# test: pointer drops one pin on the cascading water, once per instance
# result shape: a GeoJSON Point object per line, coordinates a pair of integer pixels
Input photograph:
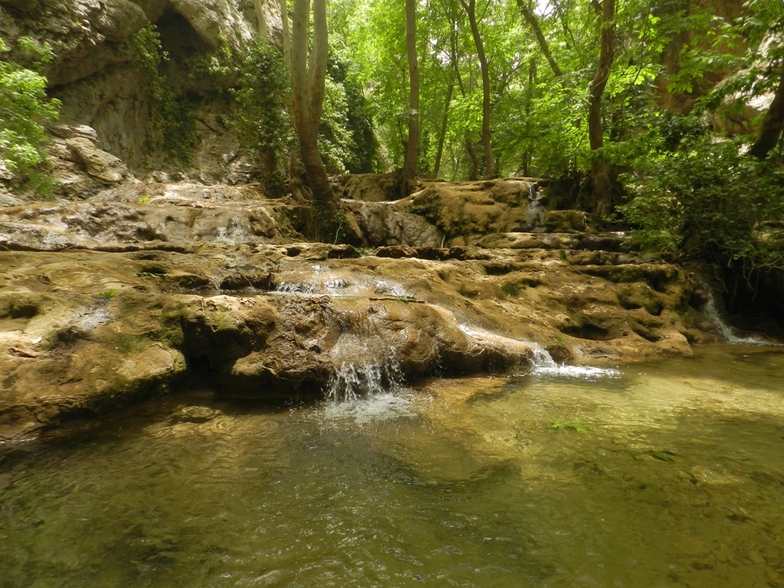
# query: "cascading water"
{"type": "Point", "coordinates": [545, 365]}
{"type": "Point", "coordinates": [359, 379]}
{"type": "Point", "coordinates": [713, 315]}
{"type": "Point", "coordinates": [542, 362]}
{"type": "Point", "coordinates": [368, 383]}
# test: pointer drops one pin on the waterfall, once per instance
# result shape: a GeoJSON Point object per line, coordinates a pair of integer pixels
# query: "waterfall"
{"type": "Point", "coordinates": [542, 363]}
{"type": "Point", "coordinates": [711, 312]}
{"type": "Point", "coordinates": [367, 387]}
{"type": "Point", "coordinates": [545, 365]}
{"type": "Point", "coordinates": [354, 380]}
{"type": "Point", "coordinates": [365, 366]}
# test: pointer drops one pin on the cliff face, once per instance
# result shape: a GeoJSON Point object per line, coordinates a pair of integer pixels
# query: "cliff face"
{"type": "Point", "coordinates": [104, 93]}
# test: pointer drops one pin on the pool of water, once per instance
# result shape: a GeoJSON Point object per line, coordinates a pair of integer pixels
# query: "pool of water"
{"type": "Point", "coordinates": [661, 474]}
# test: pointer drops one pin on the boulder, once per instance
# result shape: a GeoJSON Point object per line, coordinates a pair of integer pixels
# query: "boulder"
{"type": "Point", "coordinates": [97, 162]}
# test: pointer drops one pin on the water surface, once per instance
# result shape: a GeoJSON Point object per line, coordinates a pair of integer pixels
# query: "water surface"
{"type": "Point", "coordinates": [663, 474]}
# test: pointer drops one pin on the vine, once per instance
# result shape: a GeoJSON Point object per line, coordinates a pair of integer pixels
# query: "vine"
{"type": "Point", "coordinates": [173, 128]}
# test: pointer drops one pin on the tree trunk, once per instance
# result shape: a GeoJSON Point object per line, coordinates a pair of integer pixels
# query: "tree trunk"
{"type": "Point", "coordinates": [601, 200]}
{"type": "Point", "coordinates": [530, 18]}
{"type": "Point", "coordinates": [772, 126]}
{"type": "Point", "coordinates": [308, 76]}
{"type": "Point", "coordinates": [444, 126]}
{"type": "Point", "coordinates": [470, 8]}
{"type": "Point", "coordinates": [296, 181]}
{"type": "Point", "coordinates": [263, 29]}
{"type": "Point", "coordinates": [474, 173]}
{"type": "Point", "coordinates": [412, 145]}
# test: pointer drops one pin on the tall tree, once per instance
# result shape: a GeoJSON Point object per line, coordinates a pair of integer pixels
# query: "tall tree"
{"type": "Point", "coordinates": [470, 8]}
{"type": "Point", "coordinates": [412, 145]}
{"type": "Point", "coordinates": [261, 19]}
{"type": "Point", "coordinates": [308, 78]}
{"type": "Point", "coordinates": [295, 179]}
{"type": "Point", "coordinates": [530, 18]}
{"type": "Point", "coordinates": [601, 200]}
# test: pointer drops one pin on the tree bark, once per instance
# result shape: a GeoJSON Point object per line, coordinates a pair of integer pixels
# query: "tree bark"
{"type": "Point", "coordinates": [444, 126]}
{"type": "Point", "coordinates": [530, 18]}
{"type": "Point", "coordinates": [308, 77]}
{"type": "Point", "coordinates": [412, 145]}
{"type": "Point", "coordinates": [295, 175]}
{"type": "Point", "coordinates": [772, 126]}
{"type": "Point", "coordinates": [470, 8]}
{"type": "Point", "coordinates": [601, 200]}
{"type": "Point", "coordinates": [263, 29]}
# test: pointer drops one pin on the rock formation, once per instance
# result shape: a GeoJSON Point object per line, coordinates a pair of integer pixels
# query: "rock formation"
{"type": "Point", "coordinates": [139, 279]}
{"type": "Point", "coordinates": [141, 288]}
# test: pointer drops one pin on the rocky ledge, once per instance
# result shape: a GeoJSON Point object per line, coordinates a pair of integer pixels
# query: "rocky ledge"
{"type": "Point", "coordinates": [146, 288]}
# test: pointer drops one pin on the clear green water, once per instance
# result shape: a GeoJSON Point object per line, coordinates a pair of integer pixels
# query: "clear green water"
{"type": "Point", "coordinates": [675, 478]}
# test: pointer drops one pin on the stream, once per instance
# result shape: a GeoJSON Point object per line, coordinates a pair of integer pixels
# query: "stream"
{"type": "Point", "coordinates": [659, 474]}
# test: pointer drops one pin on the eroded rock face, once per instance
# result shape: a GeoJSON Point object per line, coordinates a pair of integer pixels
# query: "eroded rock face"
{"type": "Point", "coordinates": [95, 76]}
{"type": "Point", "coordinates": [83, 332]}
{"type": "Point", "coordinates": [464, 210]}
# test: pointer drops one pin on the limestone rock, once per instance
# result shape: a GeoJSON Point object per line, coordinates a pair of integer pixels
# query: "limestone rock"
{"type": "Point", "coordinates": [369, 187]}
{"type": "Point", "coordinates": [23, 5]}
{"type": "Point", "coordinates": [120, 19]}
{"type": "Point", "coordinates": [98, 163]}
{"type": "Point", "coordinates": [566, 221]}
{"type": "Point", "coordinates": [466, 210]}
{"type": "Point", "coordinates": [382, 223]}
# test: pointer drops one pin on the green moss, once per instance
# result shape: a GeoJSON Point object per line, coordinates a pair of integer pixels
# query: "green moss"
{"type": "Point", "coordinates": [558, 425]}
{"type": "Point", "coordinates": [170, 333]}
{"type": "Point", "coordinates": [127, 343]}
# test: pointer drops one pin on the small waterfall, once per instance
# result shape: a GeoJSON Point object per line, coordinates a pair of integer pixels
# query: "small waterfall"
{"type": "Point", "coordinates": [545, 365]}
{"type": "Point", "coordinates": [711, 312]}
{"type": "Point", "coordinates": [535, 213]}
{"type": "Point", "coordinates": [353, 381]}
{"type": "Point", "coordinates": [366, 366]}
{"type": "Point", "coordinates": [542, 362]}
{"type": "Point", "coordinates": [368, 385]}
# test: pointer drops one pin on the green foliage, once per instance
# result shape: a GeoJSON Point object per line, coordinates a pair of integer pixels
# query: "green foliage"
{"type": "Point", "coordinates": [335, 142]}
{"type": "Point", "coordinates": [24, 107]}
{"type": "Point", "coordinates": [214, 64]}
{"type": "Point", "coordinates": [172, 126]}
{"type": "Point", "coordinates": [709, 198]}
{"type": "Point", "coordinates": [261, 118]}
{"type": "Point", "coordinates": [361, 155]}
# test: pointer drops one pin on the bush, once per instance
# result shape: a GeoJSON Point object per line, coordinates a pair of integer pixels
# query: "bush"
{"type": "Point", "coordinates": [172, 126]}
{"type": "Point", "coordinates": [261, 119]}
{"type": "Point", "coordinates": [24, 107]}
{"type": "Point", "coordinates": [709, 198]}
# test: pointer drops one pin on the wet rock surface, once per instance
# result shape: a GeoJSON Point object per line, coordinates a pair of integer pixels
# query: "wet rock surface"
{"type": "Point", "coordinates": [137, 290]}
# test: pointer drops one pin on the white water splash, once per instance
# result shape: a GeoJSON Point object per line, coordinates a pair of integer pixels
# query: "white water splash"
{"type": "Point", "coordinates": [232, 234]}
{"type": "Point", "coordinates": [355, 380]}
{"type": "Point", "coordinates": [367, 387]}
{"type": "Point", "coordinates": [726, 331]}
{"type": "Point", "coordinates": [366, 366]}
{"type": "Point", "coordinates": [319, 280]}
{"type": "Point", "coordinates": [545, 365]}
{"type": "Point", "coordinates": [385, 406]}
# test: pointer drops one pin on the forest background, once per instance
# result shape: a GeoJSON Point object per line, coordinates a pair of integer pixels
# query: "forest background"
{"type": "Point", "coordinates": [661, 116]}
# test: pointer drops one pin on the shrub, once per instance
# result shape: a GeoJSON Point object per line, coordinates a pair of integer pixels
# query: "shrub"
{"type": "Point", "coordinates": [24, 107]}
